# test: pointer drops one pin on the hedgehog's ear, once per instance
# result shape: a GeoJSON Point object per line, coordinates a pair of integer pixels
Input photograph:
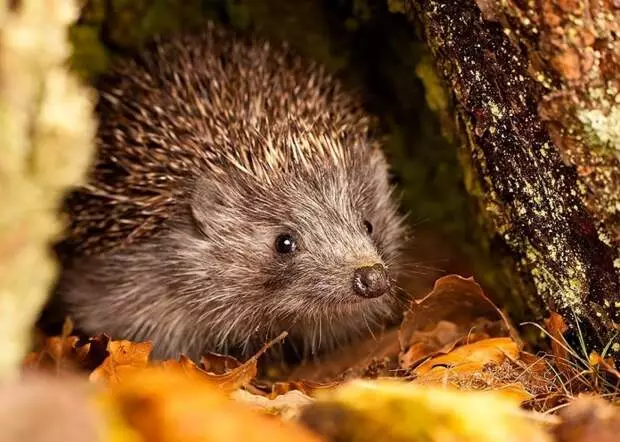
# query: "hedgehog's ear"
{"type": "Point", "coordinates": [205, 206]}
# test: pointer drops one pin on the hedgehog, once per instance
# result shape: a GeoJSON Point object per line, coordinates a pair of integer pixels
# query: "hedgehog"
{"type": "Point", "coordinates": [238, 191]}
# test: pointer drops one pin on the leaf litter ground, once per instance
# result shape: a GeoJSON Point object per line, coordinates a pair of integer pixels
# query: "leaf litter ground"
{"type": "Point", "coordinates": [453, 344]}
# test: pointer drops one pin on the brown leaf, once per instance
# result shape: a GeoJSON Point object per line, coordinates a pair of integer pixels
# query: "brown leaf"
{"type": "Point", "coordinates": [226, 379]}
{"type": "Point", "coordinates": [218, 364]}
{"type": "Point", "coordinates": [94, 352]}
{"type": "Point", "coordinates": [309, 388]}
{"type": "Point", "coordinates": [556, 327]}
{"type": "Point", "coordinates": [454, 300]}
{"type": "Point", "coordinates": [125, 357]}
{"type": "Point", "coordinates": [441, 339]}
{"type": "Point", "coordinates": [67, 353]}
{"type": "Point", "coordinates": [57, 353]}
{"type": "Point", "coordinates": [354, 358]}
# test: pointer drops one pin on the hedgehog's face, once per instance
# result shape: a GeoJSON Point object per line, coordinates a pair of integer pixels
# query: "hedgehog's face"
{"type": "Point", "coordinates": [314, 254]}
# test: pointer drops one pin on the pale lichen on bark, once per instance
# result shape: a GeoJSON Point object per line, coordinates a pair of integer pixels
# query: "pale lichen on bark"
{"type": "Point", "coordinates": [574, 49]}
{"type": "Point", "coordinates": [527, 154]}
{"type": "Point", "coordinates": [46, 132]}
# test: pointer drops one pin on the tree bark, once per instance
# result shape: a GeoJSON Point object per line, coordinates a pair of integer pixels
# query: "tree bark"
{"type": "Point", "coordinates": [536, 94]}
{"type": "Point", "coordinates": [46, 143]}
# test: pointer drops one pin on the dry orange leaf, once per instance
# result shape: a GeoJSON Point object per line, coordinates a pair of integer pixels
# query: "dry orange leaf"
{"type": "Point", "coordinates": [244, 373]}
{"type": "Point", "coordinates": [606, 364]}
{"type": "Point", "coordinates": [457, 301]}
{"type": "Point", "coordinates": [164, 404]}
{"type": "Point", "coordinates": [556, 327]}
{"type": "Point", "coordinates": [228, 381]}
{"type": "Point", "coordinates": [441, 339]}
{"type": "Point", "coordinates": [125, 358]}
{"type": "Point", "coordinates": [472, 357]}
{"type": "Point", "coordinates": [64, 353]}
{"type": "Point", "coordinates": [58, 352]}
{"type": "Point", "coordinates": [469, 361]}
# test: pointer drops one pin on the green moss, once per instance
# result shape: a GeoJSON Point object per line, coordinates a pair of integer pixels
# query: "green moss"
{"type": "Point", "coordinates": [165, 16]}
{"type": "Point", "coordinates": [124, 22]}
{"type": "Point", "coordinates": [435, 93]}
{"type": "Point", "coordinates": [90, 57]}
{"type": "Point", "coordinates": [397, 6]}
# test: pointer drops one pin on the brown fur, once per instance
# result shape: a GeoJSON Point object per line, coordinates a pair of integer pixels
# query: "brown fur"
{"type": "Point", "coordinates": [210, 146]}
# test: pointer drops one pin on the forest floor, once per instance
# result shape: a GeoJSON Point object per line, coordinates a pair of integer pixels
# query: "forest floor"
{"type": "Point", "coordinates": [455, 369]}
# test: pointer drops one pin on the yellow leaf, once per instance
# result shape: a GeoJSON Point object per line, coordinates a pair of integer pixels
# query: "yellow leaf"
{"type": "Point", "coordinates": [164, 404]}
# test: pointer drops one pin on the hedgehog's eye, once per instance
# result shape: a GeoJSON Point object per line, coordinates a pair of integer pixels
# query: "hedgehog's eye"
{"type": "Point", "coordinates": [285, 244]}
{"type": "Point", "coordinates": [368, 227]}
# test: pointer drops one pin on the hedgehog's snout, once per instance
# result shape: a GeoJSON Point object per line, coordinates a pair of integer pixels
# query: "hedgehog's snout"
{"type": "Point", "coordinates": [371, 281]}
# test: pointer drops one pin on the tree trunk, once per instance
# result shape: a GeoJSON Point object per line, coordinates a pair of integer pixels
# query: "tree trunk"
{"type": "Point", "coordinates": [536, 93]}
{"type": "Point", "coordinates": [46, 132]}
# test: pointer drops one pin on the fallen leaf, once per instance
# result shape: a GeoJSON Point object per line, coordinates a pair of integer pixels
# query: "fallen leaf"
{"type": "Point", "coordinates": [185, 365]}
{"type": "Point", "coordinates": [440, 339]}
{"type": "Point", "coordinates": [470, 358]}
{"type": "Point", "coordinates": [395, 411]}
{"type": "Point", "coordinates": [226, 379]}
{"type": "Point", "coordinates": [229, 381]}
{"type": "Point", "coordinates": [67, 353]}
{"type": "Point", "coordinates": [286, 405]}
{"type": "Point", "coordinates": [219, 364]}
{"type": "Point", "coordinates": [125, 357]}
{"type": "Point", "coordinates": [355, 358]}
{"type": "Point", "coordinates": [275, 389]}
{"type": "Point", "coordinates": [606, 364]}
{"type": "Point", "coordinates": [478, 366]}
{"type": "Point", "coordinates": [454, 300]}
{"type": "Point", "coordinates": [515, 392]}
{"type": "Point", "coordinates": [163, 404]}
{"type": "Point", "coordinates": [556, 327]}
{"type": "Point", "coordinates": [58, 353]}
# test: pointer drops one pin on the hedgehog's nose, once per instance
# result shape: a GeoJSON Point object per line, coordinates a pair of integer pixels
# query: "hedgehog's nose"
{"type": "Point", "coordinates": [371, 282]}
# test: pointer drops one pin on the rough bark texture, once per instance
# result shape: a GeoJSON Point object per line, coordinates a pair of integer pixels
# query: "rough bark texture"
{"type": "Point", "coordinates": [536, 94]}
